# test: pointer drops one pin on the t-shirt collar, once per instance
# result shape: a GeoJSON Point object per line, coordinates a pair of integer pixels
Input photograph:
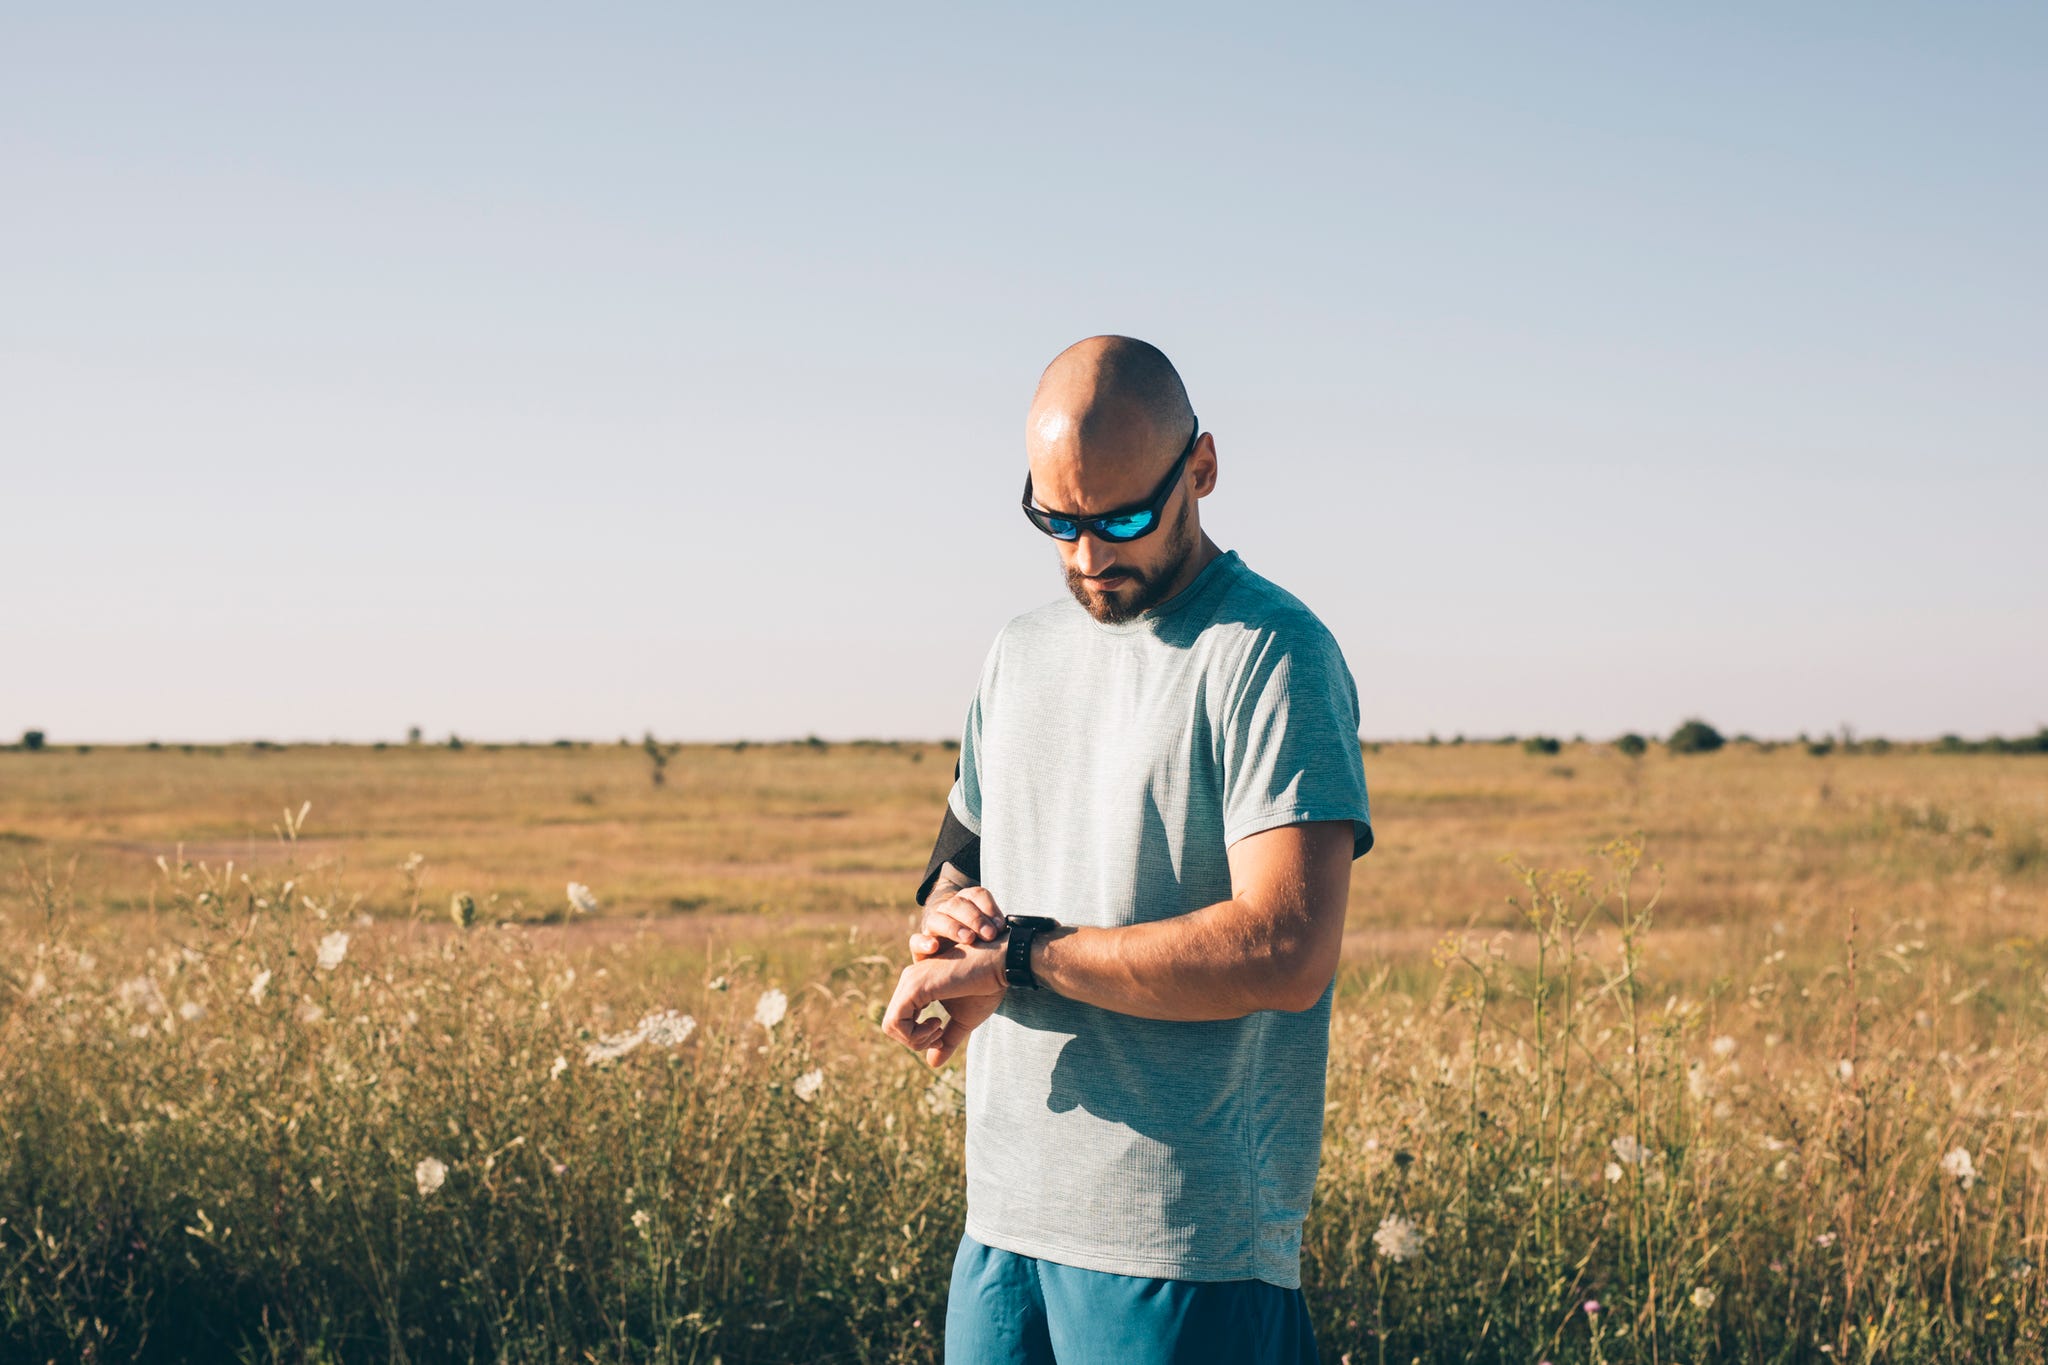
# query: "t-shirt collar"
{"type": "Point", "coordinates": [1203, 587]}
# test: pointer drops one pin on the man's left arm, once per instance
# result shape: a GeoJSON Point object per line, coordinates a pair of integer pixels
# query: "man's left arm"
{"type": "Point", "coordinates": [1272, 946]}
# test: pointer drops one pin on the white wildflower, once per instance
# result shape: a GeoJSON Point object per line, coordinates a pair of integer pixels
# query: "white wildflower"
{"type": "Point", "coordinates": [718, 983]}
{"type": "Point", "coordinates": [1703, 1298]}
{"type": "Point", "coordinates": [191, 1010]}
{"type": "Point", "coordinates": [333, 948]}
{"type": "Point", "coordinates": [555, 1071]}
{"type": "Point", "coordinates": [1724, 1046]}
{"type": "Point", "coordinates": [259, 985]}
{"type": "Point", "coordinates": [641, 1218]}
{"type": "Point", "coordinates": [667, 1028]}
{"type": "Point", "coordinates": [1629, 1150]}
{"type": "Point", "coordinates": [771, 1007]}
{"type": "Point", "coordinates": [1397, 1238]}
{"type": "Point", "coordinates": [809, 1084]}
{"type": "Point", "coordinates": [580, 899]}
{"type": "Point", "coordinates": [613, 1046]}
{"type": "Point", "coordinates": [1613, 1172]}
{"type": "Point", "coordinates": [142, 992]}
{"type": "Point", "coordinates": [38, 982]}
{"type": "Point", "coordinates": [1958, 1167]}
{"type": "Point", "coordinates": [430, 1173]}
{"type": "Point", "coordinates": [311, 1011]}
{"type": "Point", "coordinates": [1825, 1239]}
{"type": "Point", "coordinates": [1845, 1068]}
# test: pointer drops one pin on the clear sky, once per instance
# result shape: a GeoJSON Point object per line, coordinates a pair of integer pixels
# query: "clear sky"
{"type": "Point", "coordinates": [538, 371]}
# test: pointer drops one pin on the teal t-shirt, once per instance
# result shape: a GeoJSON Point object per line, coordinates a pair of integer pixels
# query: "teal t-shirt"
{"type": "Point", "coordinates": [1107, 769]}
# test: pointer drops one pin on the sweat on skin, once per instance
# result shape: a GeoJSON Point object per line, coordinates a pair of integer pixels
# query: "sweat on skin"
{"type": "Point", "coordinates": [1166, 761]}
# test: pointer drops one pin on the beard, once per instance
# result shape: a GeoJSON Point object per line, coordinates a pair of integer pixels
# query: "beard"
{"type": "Point", "coordinates": [1142, 589]}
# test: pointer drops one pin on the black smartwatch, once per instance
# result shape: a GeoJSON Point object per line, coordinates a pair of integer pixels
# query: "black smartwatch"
{"type": "Point", "coordinates": [1017, 956]}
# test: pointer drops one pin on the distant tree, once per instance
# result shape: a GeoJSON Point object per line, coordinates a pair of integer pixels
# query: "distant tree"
{"type": "Point", "coordinates": [1820, 748]}
{"type": "Point", "coordinates": [412, 734]}
{"type": "Point", "coordinates": [658, 755]}
{"type": "Point", "coordinates": [1540, 744]}
{"type": "Point", "coordinates": [1632, 744]}
{"type": "Point", "coordinates": [32, 740]}
{"type": "Point", "coordinates": [454, 740]}
{"type": "Point", "coordinates": [1694, 737]}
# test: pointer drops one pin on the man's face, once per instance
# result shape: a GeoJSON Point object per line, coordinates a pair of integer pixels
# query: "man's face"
{"type": "Point", "coordinates": [1114, 581]}
{"type": "Point", "coordinates": [1123, 580]}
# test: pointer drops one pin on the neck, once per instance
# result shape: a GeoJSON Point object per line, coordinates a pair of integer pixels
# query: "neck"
{"type": "Point", "coordinates": [1197, 561]}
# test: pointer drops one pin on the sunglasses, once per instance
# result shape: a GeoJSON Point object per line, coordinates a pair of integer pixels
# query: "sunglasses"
{"type": "Point", "coordinates": [1125, 523]}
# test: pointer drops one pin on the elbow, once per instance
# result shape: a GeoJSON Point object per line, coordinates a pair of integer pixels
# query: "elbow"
{"type": "Point", "coordinates": [1303, 992]}
{"type": "Point", "coordinates": [1300, 982]}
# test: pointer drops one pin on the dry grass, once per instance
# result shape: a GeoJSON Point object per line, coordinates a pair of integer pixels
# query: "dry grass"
{"type": "Point", "coordinates": [190, 1172]}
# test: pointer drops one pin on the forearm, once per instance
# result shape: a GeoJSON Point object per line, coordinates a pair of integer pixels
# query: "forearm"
{"type": "Point", "coordinates": [1223, 961]}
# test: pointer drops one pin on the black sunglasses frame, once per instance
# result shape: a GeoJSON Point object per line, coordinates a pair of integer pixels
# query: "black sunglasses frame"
{"type": "Point", "coordinates": [1152, 504]}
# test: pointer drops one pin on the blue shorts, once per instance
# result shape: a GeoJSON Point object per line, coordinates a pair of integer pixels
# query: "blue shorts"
{"type": "Point", "coordinates": [1006, 1309]}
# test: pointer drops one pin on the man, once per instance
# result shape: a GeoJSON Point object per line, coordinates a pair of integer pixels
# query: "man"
{"type": "Point", "coordinates": [1136, 907]}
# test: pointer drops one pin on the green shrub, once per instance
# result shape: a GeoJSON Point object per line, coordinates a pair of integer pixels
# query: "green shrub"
{"type": "Point", "coordinates": [1632, 744]}
{"type": "Point", "coordinates": [1540, 744]}
{"type": "Point", "coordinates": [1694, 737]}
{"type": "Point", "coordinates": [32, 740]}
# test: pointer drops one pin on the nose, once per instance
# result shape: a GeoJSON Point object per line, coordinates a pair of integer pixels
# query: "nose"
{"type": "Point", "coordinates": [1092, 554]}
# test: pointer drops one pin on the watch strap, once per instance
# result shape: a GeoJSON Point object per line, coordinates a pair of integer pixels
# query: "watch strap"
{"type": "Point", "coordinates": [1017, 955]}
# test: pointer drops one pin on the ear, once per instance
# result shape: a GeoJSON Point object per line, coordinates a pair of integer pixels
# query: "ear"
{"type": "Point", "coordinates": [1202, 465]}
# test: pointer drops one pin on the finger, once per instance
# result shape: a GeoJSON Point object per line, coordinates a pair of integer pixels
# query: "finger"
{"type": "Point", "coordinates": [923, 945]}
{"type": "Point", "coordinates": [899, 1020]}
{"type": "Point", "coordinates": [963, 918]}
{"type": "Point", "coordinates": [984, 901]}
{"type": "Point", "coordinates": [950, 1041]}
{"type": "Point", "coordinates": [955, 921]}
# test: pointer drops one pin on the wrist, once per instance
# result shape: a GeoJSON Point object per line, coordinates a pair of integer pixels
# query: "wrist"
{"type": "Point", "coordinates": [1044, 959]}
{"type": "Point", "coordinates": [1020, 945]}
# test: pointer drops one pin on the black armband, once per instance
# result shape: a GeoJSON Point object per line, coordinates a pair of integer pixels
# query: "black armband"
{"type": "Point", "coordinates": [956, 844]}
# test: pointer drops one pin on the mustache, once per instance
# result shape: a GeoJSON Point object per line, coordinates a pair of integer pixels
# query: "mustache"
{"type": "Point", "coordinates": [1118, 576]}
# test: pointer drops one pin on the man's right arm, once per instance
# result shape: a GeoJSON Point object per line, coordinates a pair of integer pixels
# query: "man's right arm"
{"type": "Point", "coordinates": [955, 867]}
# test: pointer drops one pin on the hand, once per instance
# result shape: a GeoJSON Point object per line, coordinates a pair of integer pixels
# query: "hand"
{"type": "Point", "coordinates": [965, 978]}
{"type": "Point", "coordinates": [968, 916]}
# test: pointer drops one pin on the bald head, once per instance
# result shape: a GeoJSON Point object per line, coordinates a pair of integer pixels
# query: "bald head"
{"type": "Point", "coordinates": [1109, 398]}
{"type": "Point", "coordinates": [1107, 426]}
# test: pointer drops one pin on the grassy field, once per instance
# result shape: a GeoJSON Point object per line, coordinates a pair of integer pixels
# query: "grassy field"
{"type": "Point", "coordinates": [1746, 1048]}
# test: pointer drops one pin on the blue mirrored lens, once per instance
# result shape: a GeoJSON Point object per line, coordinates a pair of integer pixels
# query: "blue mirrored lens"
{"type": "Point", "coordinates": [1061, 527]}
{"type": "Point", "coordinates": [1123, 528]}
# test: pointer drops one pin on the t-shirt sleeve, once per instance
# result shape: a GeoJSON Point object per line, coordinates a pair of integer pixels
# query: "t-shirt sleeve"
{"type": "Point", "coordinates": [964, 799]}
{"type": "Point", "coordinates": [1290, 737]}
